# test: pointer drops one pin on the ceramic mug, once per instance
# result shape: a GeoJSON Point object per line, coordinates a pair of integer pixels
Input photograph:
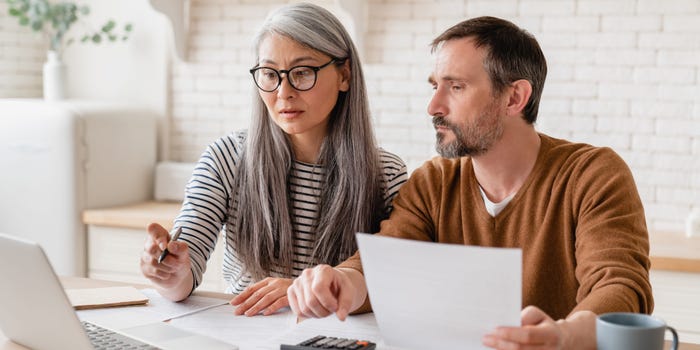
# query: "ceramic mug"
{"type": "Point", "coordinates": [630, 331]}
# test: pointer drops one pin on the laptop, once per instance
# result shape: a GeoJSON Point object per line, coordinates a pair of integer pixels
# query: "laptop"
{"type": "Point", "coordinates": [36, 312]}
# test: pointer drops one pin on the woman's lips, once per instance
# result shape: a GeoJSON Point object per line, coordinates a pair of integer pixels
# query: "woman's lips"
{"type": "Point", "coordinates": [290, 113]}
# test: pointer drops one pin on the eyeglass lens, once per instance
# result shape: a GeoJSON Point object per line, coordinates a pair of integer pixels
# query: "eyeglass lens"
{"type": "Point", "coordinates": [301, 78]}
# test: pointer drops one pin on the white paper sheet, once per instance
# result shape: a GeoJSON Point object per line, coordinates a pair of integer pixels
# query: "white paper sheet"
{"type": "Point", "coordinates": [257, 332]}
{"type": "Point", "coordinates": [158, 309]}
{"type": "Point", "coordinates": [268, 332]}
{"type": "Point", "coordinates": [440, 296]}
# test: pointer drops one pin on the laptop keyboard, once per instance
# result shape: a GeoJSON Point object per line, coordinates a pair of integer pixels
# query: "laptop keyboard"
{"type": "Point", "coordinates": [102, 338]}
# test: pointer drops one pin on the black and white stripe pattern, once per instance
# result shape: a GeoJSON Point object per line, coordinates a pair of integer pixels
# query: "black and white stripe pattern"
{"type": "Point", "coordinates": [210, 202]}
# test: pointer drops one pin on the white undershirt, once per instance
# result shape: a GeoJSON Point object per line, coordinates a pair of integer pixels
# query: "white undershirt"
{"type": "Point", "coordinates": [495, 208]}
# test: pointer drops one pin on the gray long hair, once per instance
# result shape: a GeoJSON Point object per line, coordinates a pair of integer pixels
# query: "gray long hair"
{"type": "Point", "coordinates": [351, 199]}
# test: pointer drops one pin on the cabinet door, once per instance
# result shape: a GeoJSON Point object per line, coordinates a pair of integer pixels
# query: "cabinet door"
{"type": "Point", "coordinates": [114, 254]}
{"type": "Point", "coordinates": [677, 301]}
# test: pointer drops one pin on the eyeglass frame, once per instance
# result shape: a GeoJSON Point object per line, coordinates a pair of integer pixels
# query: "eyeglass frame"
{"type": "Point", "coordinates": [279, 73]}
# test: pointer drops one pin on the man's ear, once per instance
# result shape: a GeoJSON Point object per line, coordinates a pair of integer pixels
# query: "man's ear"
{"type": "Point", "coordinates": [345, 76]}
{"type": "Point", "coordinates": [520, 92]}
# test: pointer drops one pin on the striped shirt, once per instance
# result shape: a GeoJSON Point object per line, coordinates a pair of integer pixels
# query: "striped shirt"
{"type": "Point", "coordinates": [209, 208]}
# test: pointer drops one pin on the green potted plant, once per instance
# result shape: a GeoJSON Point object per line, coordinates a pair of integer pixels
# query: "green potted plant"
{"type": "Point", "coordinates": [54, 20]}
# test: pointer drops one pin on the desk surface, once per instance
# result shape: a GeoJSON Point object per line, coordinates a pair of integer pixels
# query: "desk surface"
{"type": "Point", "coordinates": [76, 282]}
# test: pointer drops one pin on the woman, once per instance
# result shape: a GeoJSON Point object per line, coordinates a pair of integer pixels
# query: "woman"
{"type": "Point", "coordinates": [292, 190]}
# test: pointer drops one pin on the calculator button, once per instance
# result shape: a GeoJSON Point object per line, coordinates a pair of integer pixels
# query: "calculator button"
{"type": "Point", "coordinates": [311, 341]}
{"type": "Point", "coordinates": [345, 343]}
{"type": "Point", "coordinates": [334, 344]}
{"type": "Point", "coordinates": [321, 343]}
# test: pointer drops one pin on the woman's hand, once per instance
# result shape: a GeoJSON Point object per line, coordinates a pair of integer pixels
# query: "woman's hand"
{"type": "Point", "coordinates": [268, 296]}
{"type": "Point", "coordinates": [172, 277]}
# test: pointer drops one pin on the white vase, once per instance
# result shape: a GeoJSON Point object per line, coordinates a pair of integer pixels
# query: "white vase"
{"type": "Point", "coordinates": [692, 224]}
{"type": "Point", "coordinates": [54, 77]}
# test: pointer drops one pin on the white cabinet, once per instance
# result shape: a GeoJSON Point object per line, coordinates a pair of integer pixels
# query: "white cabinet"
{"type": "Point", "coordinates": [677, 301]}
{"type": "Point", "coordinates": [116, 238]}
{"type": "Point", "coordinates": [59, 158]}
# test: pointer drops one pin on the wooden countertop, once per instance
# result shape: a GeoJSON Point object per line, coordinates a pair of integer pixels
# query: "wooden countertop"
{"type": "Point", "coordinates": [674, 251]}
{"type": "Point", "coordinates": [136, 216]}
{"type": "Point", "coordinates": [669, 250]}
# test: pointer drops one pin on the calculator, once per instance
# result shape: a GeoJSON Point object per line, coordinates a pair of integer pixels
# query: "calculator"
{"type": "Point", "coordinates": [332, 343]}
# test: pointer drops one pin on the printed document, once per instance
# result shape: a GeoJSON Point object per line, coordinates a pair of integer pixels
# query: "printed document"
{"type": "Point", "coordinates": [440, 296]}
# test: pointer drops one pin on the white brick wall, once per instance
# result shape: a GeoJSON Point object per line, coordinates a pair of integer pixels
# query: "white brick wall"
{"type": "Point", "coordinates": [622, 73]}
{"type": "Point", "coordinates": [21, 58]}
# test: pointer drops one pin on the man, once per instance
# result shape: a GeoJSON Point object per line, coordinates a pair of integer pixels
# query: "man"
{"type": "Point", "coordinates": [572, 208]}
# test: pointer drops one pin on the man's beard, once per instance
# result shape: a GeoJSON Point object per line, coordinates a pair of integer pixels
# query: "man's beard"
{"type": "Point", "coordinates": [473, 139]}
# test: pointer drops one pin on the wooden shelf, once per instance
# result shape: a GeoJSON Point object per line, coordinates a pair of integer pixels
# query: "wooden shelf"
{"type": "Point", "coordinates": [136, 216]}
{"type": "Point", "coordinates": [674, 251]}
{"type": "Point", "coordinates": [669, 250]}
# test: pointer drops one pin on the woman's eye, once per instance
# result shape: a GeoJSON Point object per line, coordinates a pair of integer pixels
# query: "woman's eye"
{"type": "Point", "coordinates": [301, 73]}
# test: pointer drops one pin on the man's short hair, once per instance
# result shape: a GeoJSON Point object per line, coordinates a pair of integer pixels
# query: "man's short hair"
{"type": "Point", "coordinates": [512, 54]}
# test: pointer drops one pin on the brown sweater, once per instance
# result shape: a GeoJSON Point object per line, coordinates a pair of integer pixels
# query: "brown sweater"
{"type": "Point", "coordinates": [577, 218]}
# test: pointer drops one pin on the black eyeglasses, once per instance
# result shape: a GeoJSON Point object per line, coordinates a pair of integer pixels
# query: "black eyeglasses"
{"type": "Point", "coordinates": [302, 78]}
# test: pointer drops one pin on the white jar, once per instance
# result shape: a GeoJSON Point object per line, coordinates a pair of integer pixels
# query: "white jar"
{"type": "Point", "coordinates": [692, 224]}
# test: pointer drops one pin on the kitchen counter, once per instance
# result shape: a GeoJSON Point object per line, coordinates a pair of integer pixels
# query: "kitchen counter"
{"type": "Point", "coordinates": [674, 251]}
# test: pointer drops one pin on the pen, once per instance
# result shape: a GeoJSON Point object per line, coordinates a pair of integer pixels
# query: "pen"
{"type": "Point", "coordinates": [174, 238]}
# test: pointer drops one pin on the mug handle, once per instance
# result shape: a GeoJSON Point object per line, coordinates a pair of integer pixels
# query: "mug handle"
{"type": "Point", "coordinates": [674, 344]}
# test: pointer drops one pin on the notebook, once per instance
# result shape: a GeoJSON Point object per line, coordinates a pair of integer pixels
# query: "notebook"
{"type": "Point", "coordinates": [37, 314]}
{"type": "Point", "coordinates": [95, 298]}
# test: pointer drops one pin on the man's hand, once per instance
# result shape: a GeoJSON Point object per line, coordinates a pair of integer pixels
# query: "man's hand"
{"type": "Point", "coordinates": [172, 277]}
{"type": "Point", "coordinates": [268, 296]}
{"type": "Point", "coordinates": [539, 331]}
{"type": "Point", "coordinates": [323, 290]}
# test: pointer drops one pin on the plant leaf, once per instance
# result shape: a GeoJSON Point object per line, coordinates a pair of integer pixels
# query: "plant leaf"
{"type": "Point", "coordinates": [85, 38]}
{"type": "Point", "coordinates": [109, 26]}
{"type": "Point", "coordinates": [23, 20]}
{"type": "Point", "coordinates": [96, 38]}
{"type": "Point", "coordinates": [14, 12]}
{"type": "Point", "coordinates": [128, 27]}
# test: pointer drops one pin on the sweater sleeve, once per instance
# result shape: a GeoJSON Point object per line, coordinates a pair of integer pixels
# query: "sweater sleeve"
{"type": "Point", "coordinates": [207, 197]}
{"type": "Point", "coordinates": [612, 242]}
